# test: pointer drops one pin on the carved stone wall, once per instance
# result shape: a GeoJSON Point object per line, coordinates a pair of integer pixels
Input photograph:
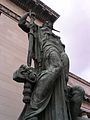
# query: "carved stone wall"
{"type": "Point", "coordinates": [13, 44]}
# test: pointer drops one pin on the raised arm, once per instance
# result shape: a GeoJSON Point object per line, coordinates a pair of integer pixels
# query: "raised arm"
{"type": "Point", "coordinates": [22, 23]}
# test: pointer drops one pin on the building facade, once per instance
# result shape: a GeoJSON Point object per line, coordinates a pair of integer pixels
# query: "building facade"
{"type": "Point", "coordinates": [13, 53]}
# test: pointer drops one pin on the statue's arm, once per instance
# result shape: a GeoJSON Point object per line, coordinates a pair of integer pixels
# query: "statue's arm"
{"type": "Point", "coordinates": [22, 23]}
{"type": "Point", "coordinates": [66, 63]}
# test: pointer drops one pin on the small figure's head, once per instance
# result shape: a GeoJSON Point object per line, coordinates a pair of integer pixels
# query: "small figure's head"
{"type": "Point", "coordinates": [48, 24]}
{"type": "Point", "coordinates": [78, 93]}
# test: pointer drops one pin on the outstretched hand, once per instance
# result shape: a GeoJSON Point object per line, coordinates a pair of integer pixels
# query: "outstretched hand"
{"type": "Point", "coordinates": [31, 14]}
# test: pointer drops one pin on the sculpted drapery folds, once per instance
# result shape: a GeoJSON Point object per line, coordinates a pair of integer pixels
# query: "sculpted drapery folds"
{"type": "Point", "coordinates": [51, 71]}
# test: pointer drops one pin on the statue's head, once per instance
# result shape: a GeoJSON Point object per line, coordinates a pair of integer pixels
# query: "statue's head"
{"type": "Point", "coordinates": [48, 24]}
{"type": "Point", "coordinates": [78, 91]}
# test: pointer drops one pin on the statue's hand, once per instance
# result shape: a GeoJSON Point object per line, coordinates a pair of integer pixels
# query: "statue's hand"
{"type": "Point", "coordinates": [25, 73]}
{"type": "Point", "coordinates": [32, 14]}
{"type": "Point", "coordinates": [32, 76]}
{"type": "Point", "coordinates": [18, 76]}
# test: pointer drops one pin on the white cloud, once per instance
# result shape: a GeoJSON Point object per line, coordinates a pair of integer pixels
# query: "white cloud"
{"type": "Point", "coordinates": [60, 6]}
{"type": "Point", "coordinates": [86, 74]}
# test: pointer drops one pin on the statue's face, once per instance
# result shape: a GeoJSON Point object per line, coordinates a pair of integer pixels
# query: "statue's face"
{"type": "Point", "coordinates": [48, 24]}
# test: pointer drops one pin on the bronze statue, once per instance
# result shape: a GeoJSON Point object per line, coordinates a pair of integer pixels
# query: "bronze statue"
{"type": "Point", "coordinates": [49, 77]}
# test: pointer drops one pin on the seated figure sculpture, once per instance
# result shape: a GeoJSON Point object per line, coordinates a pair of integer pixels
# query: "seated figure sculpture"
{"type": "Point", "coordinates": [49, 75]}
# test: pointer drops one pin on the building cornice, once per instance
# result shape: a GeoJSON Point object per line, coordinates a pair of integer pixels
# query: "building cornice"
{"type": "Point", "coordinates": [79, 79]}
{"type": "Point", "coordinates": [43, 12]}
{"type": "Point", "coordinates": [9, 13]}
{"type": "Point", "coordinates": [87, 97]}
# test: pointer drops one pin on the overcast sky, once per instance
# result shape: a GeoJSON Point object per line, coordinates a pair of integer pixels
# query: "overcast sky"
{"type": "Point", "coordinates": [74, 24]}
